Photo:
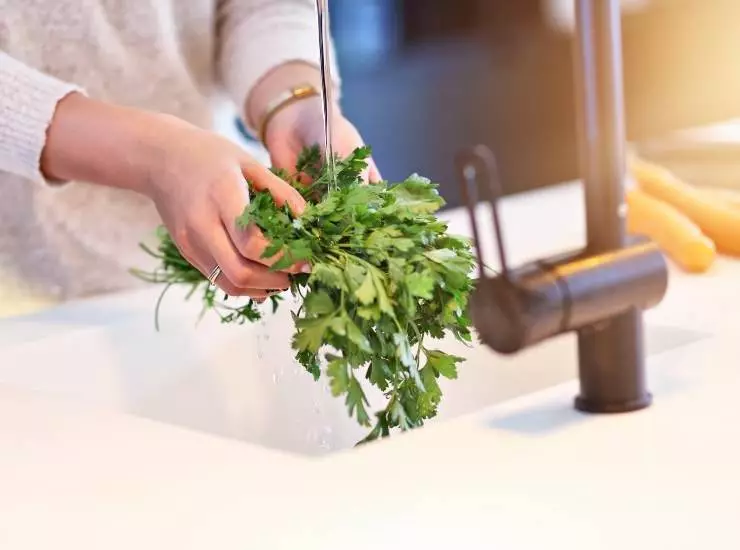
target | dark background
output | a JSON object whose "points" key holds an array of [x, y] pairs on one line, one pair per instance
{"points": [[424, 78]]}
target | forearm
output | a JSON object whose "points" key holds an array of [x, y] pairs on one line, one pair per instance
{"points": [[100, 143]]}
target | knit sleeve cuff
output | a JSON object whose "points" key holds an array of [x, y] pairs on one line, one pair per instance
{"points": [[253, 46], [28, 100]]}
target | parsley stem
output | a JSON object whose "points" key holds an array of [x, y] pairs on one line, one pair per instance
{"points": [[420, 338]]}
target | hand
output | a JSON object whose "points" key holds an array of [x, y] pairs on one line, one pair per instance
{"points": [[302, 125], [200, 188], [197, 179]]}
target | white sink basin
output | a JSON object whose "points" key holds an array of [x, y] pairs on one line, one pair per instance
{"points": [[242, 382]]}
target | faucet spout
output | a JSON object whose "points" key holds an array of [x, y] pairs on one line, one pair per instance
{"points": [[597, 62]]}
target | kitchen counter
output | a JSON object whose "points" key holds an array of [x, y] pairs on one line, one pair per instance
{"points": [[530, 473]]}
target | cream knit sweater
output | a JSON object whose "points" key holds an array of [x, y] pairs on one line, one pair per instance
{"points": [[172, 56]]}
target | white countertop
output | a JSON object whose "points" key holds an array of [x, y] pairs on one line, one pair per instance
{"points": [[530, 473]]}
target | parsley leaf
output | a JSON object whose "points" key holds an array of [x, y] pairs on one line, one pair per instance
{"points": [[442, 363], [310, 334], [366, 292], [421, 285], [319, 302]]}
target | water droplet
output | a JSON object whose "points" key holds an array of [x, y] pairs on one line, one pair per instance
{"points": [[325, 439], [261, 337]]}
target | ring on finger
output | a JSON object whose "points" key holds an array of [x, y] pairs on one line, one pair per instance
{"points": [[213, 275]]}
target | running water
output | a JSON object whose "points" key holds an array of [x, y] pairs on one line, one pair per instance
{"points": [[327, 88]]}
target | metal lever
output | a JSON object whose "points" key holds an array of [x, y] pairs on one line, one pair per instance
{"points": [[476, 165]]}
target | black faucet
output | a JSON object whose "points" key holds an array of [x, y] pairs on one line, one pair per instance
{"points": [[599, 292]]}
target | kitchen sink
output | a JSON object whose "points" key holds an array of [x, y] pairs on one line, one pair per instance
{"points": [[242, 382]]}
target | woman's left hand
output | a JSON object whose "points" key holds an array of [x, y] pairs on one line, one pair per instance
{"points": [[302, 125]]}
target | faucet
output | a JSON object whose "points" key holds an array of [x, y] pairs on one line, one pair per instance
{"points": [[600, 292]]}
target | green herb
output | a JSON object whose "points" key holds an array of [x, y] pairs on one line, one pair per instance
{"points": [[387, 279]]}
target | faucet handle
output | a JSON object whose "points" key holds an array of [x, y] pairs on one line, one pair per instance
{"points": [[524, 305], [477, 165]]}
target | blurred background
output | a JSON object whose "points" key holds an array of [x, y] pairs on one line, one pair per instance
{"points": [[423, 78]]}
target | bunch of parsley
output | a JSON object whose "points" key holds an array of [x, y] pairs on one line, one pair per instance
{"points": [[387, 279]]}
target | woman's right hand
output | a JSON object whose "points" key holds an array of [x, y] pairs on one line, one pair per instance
{"points": [[196, 178], [199, 184]]}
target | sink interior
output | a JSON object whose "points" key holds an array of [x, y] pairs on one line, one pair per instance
{"points": [[242, 382]]}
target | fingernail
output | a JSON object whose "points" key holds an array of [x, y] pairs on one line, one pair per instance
{"points": [[306, 268]]}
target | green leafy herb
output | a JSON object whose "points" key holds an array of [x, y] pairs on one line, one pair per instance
{"points": [[386, 280]]}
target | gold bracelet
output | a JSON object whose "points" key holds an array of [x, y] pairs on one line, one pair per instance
{"points": [[282, 101]]}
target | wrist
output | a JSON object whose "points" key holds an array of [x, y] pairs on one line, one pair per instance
{"points": [[290, 101], [276, 83], [301, 123]]}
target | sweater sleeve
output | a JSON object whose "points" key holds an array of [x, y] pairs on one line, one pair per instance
{"points": [[255, 36], [28, 99]]}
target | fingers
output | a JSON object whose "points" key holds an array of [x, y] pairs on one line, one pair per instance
{"points": [[229, 288], [372, 173], [264, 180], [198, 256], [347, 139], [240, 272], [249, 242]]}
